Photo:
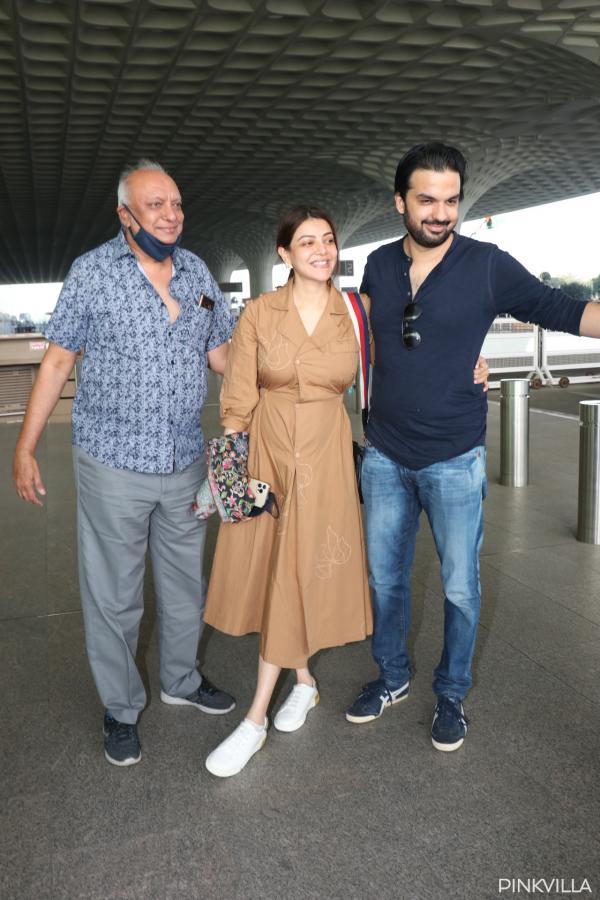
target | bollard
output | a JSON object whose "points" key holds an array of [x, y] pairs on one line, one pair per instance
{"points": [[588, 505], [514, 432]]}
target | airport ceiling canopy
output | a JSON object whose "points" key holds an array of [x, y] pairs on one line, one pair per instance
{"points": [[254, 105]]}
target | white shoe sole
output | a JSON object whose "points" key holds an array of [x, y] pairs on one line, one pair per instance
{"points": [[181, 701], [447, 748], [361, 720], [299, 724], [230, 772], [124, 762]]}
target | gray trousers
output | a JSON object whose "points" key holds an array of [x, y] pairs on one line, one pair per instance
{"points": [[120, 514]]}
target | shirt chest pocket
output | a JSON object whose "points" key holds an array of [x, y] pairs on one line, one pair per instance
{"points": [[197, 324]]}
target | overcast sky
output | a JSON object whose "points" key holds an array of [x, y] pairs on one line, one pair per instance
{"points": [[562, 238]]}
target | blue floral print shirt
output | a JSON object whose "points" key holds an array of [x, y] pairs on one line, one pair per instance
{"points": [[143, 381]]}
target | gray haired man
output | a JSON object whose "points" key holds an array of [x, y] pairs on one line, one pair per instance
{"points": [[149, 317]]}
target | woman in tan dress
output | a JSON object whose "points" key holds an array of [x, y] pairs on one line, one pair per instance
{"points": [[299, 580]]}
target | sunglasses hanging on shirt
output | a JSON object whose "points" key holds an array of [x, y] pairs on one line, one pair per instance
{"points": [[410, 337]]}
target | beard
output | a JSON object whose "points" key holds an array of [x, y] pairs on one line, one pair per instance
{"points": [[420, 236]]}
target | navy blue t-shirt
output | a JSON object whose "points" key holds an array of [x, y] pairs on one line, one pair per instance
{"points": [[424, 405]]}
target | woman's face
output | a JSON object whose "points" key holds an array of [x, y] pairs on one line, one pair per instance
{"points": [[312, 252]]}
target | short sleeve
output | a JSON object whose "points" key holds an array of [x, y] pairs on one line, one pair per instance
{"points": [[222, 321], [68, 323], [239, 393]]}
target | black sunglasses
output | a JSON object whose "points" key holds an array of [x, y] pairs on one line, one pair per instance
{"points": [[411, 338]]}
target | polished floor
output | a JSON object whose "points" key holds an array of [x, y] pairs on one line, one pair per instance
{"points": [[334, 811]]}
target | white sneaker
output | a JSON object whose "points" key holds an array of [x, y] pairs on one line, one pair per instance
{"points": [[292, 714], [234, 752]]}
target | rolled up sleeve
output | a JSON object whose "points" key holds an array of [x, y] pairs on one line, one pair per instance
{"points": [[518, 292], [240, 393]]}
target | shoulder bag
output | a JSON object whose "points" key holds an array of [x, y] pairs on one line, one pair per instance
{"points": [[360, 323]]}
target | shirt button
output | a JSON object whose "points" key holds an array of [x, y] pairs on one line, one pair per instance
{"points": [[297, 456], [297, 362], [172, 393]]}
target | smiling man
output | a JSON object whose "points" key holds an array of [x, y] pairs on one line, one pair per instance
{"points": [[148, 316], [434, 295]]}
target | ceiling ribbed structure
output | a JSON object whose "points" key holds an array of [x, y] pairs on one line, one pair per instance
{"points": [[256, 104]]}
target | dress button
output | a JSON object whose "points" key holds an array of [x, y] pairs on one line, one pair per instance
{"points": [[297, 362], [297, 456]]}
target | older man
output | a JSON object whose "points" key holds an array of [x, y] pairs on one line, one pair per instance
{"points": [[149, 316]]}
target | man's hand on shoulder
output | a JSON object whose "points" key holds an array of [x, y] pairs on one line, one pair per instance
{"points": [[26, 477], [481, 372]]}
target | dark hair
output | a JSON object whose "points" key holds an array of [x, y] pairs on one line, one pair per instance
{"points": [[292, 220], [436, 157]]}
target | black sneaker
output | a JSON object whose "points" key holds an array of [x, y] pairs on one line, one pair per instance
{"points": [[207, 697], [373, 699], [121, 742], [449, 726]]}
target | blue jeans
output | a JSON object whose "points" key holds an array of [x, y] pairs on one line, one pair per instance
{"points": [[451, 493]]}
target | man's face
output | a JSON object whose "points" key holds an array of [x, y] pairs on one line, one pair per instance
{"points": [[431, 207], [154, 200]]}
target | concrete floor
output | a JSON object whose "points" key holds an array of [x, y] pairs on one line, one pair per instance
{"points": [[335, 810]]}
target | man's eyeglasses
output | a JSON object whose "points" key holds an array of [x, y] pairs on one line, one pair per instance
{"points": [[411, 338]]}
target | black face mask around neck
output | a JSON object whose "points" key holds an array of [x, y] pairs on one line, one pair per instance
{"points": [[151, 245]]}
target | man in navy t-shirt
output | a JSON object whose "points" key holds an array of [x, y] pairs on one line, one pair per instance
{"points": [[434, 295]]}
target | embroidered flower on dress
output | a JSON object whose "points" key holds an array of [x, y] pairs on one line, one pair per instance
{"points": [[335, 552], [273, 353]]}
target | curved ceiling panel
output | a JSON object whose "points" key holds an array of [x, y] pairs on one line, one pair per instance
{"points": [[256, 104]]}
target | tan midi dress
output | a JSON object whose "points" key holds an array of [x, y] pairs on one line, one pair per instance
{"points": [[300, 580]]}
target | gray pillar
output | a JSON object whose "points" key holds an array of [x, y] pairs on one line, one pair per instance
{"points": [[221, 261], [514, 432], [588, 507], [260, 267]]}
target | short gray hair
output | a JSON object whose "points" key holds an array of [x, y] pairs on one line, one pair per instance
{"points": [[122, 196]]}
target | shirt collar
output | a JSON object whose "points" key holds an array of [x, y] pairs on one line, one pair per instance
{"points": [[290, 325]]}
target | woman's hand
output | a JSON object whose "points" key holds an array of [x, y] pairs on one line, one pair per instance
{"points": [[481, 373]]}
